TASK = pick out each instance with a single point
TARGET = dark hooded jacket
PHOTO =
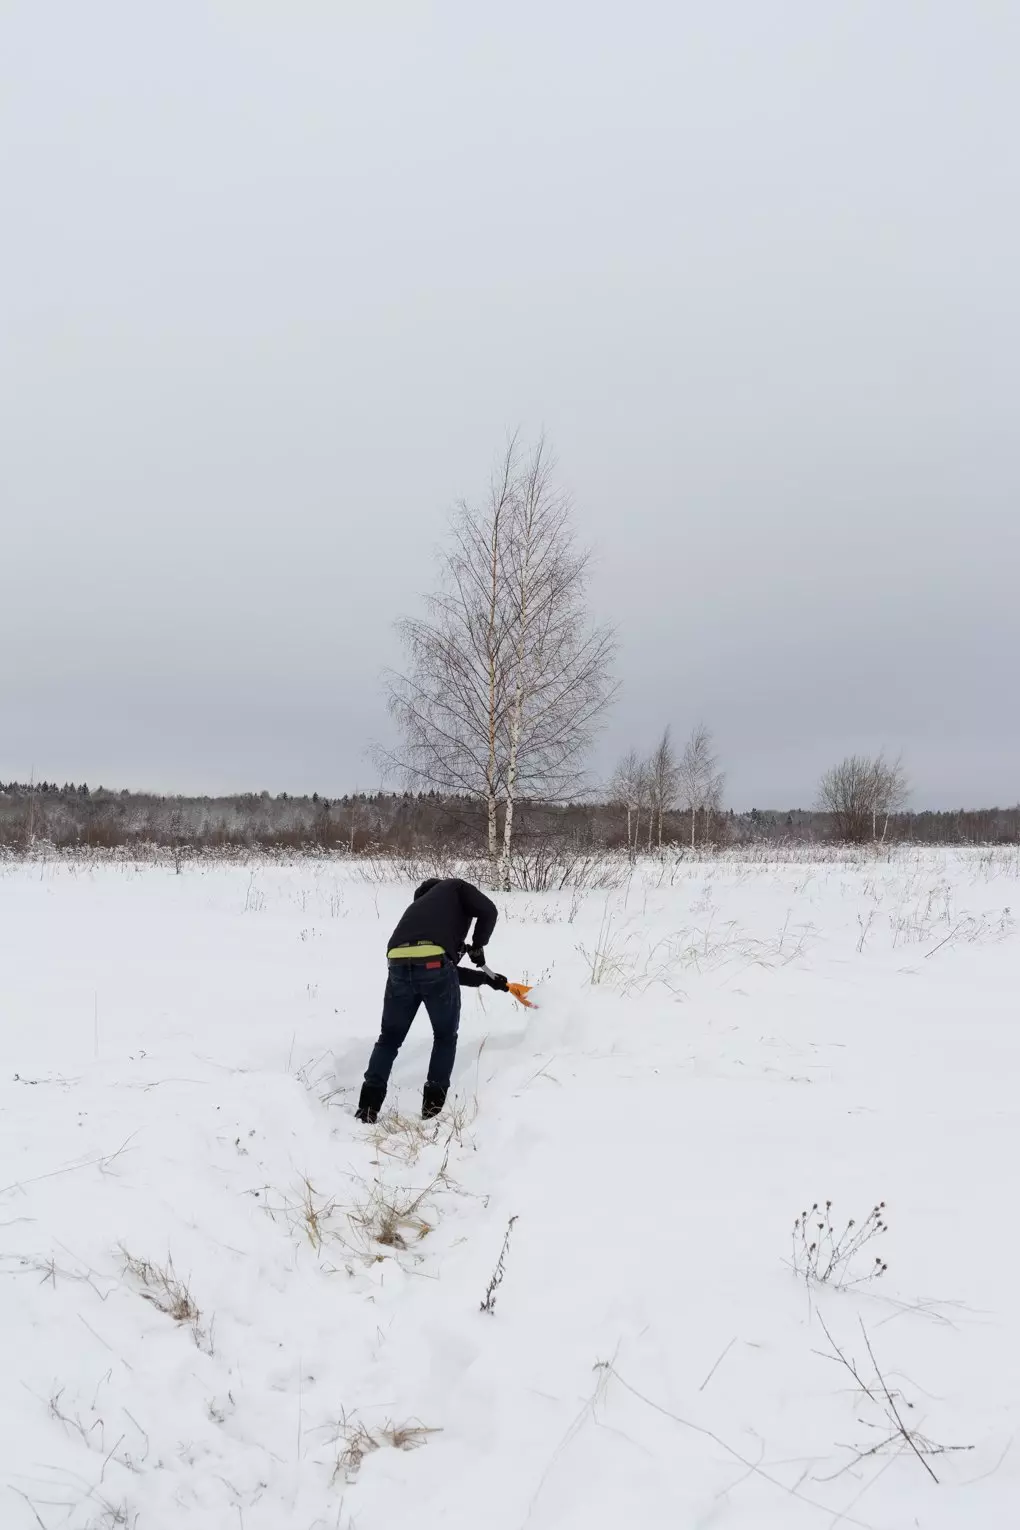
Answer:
(442, 913)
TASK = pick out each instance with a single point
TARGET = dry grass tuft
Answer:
(393, 1218)
(405, 1138)
(314, 1213)
(355, 1440)
(163, 1288)
(114, 1516)
(407, 1436)
(382, 1217)
(308, 1215)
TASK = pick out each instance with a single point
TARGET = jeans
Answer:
(410, 984)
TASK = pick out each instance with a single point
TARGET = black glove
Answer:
(498, 982)
(476, 954)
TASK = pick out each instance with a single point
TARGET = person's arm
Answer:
(482, 910)
(469, 978)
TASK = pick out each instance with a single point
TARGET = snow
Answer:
(181, 1056)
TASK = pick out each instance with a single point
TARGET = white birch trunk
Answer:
(511, 787)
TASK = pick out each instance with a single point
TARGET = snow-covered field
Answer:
(181, 1055)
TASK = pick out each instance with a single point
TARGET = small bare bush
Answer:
(409, 870)
(824, 1256)
(973, 930)
(859, 792)
(553, 866)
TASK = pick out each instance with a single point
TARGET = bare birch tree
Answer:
(891, 792)
(638, 796)
(699, 780)
(506, 677)
(644, 800)
(450, 703)
(664, 778)
(627, 787)
(559, 683)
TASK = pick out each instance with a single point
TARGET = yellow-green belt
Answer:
(424, 948)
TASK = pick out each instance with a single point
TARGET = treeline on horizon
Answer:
(407, 823)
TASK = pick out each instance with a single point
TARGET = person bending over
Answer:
(423, 955)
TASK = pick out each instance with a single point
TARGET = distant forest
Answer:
(407, 823)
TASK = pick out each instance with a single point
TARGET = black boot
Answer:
(370, 1103)
(432, 1101)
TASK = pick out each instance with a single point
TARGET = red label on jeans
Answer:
(432, 966)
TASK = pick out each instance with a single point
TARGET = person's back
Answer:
(442, 912)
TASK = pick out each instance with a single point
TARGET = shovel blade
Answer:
(520, 992)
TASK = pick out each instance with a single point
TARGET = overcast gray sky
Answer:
(276, 278)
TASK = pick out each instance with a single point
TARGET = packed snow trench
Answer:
(228, 1305)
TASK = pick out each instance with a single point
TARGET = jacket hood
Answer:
(426, 886)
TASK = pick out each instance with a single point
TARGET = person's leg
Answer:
(441, 993)
(400, 1005)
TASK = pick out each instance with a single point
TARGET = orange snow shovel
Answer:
(520, 991)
